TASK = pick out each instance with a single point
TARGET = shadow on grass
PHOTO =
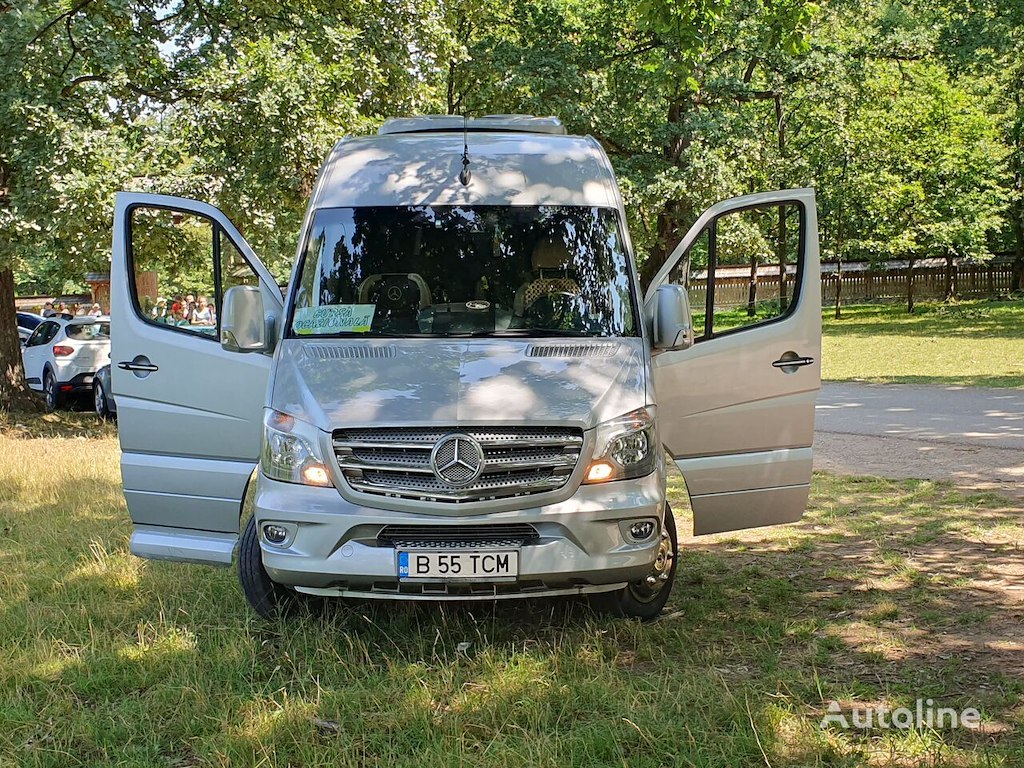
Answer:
(63, 424)
(968, 379)
(887, 591)
(978, 319)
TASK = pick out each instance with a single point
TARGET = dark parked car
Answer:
(106, 408)
(27, 322)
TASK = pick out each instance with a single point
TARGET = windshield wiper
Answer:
(366, 335)
(527, 332)
(517, 333)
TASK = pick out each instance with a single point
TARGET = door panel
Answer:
(189, 412)
(34, 355)
(736, 410)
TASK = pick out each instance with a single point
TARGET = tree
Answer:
(980, 41)
(235, 102)
(678, 93)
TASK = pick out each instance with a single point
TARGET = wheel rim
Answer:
(650, 586)
(98, 395)
(51, 392)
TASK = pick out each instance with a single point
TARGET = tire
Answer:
(641, 600)
(50, 392)
(100, 400)
(268, 598)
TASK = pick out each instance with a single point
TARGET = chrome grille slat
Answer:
(348, 463)
(423, 467)
(517, 461)
(428, 444)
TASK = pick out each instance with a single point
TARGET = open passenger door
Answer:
(189, 411)
(736, 409)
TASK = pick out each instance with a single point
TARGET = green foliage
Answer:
(907, 117)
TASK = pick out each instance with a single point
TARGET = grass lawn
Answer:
(886, 592)
(972, 343)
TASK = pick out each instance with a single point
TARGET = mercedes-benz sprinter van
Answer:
(464, 392)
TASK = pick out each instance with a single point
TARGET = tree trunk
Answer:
(839, 288)
(910, 285)
(14, 391)
(950, 291)
(673, 211)
(780, 251)
(780, 128)
(752, 291)
(666, 241)
(1017, 280)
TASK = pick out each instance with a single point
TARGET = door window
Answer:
(43, 333)
(234, 269)
(181, 264)
(744, 269)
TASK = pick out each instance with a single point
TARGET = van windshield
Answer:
(465, 271)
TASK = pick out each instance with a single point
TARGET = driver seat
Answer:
(550, 256)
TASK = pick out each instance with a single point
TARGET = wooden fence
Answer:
(862, 285)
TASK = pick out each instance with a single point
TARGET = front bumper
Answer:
(332, 546)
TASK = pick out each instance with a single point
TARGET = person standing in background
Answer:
(202, 314)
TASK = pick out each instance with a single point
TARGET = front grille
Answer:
(505, 535)
(517, 461)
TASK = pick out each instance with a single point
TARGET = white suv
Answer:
(61, 356)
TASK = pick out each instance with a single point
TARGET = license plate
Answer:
(484, 564)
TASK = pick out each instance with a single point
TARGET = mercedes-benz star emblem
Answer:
(457, 460)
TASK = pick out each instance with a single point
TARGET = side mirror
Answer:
(673, 327)
(243, 327)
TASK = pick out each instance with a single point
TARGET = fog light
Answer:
(275, 534)
(643, 529)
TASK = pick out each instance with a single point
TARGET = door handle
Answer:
(131, 365)
(792, 362)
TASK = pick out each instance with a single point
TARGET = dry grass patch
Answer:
(108, 660)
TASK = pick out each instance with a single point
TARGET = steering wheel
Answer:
(397, 293)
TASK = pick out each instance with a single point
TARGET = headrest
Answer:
(551, 254)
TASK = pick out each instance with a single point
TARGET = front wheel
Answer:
(645, 599)
(268, 598)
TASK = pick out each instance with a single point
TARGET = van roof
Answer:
(508, 168)
(517, 123)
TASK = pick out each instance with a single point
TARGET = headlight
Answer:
(287, 456)
(625, 447)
